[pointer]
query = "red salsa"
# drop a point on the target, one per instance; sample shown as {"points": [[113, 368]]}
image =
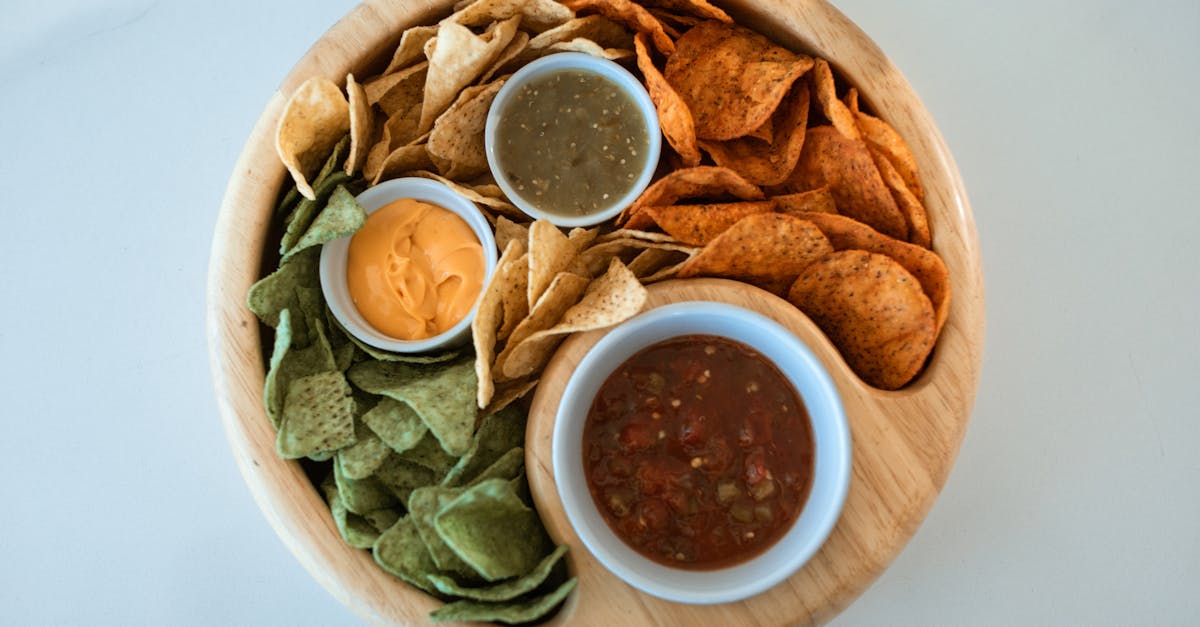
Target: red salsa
{"points": [[698, 452]]}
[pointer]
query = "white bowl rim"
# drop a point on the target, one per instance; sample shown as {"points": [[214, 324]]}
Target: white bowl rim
{"points": [[579, 61], [827, 495], [334, 254]]}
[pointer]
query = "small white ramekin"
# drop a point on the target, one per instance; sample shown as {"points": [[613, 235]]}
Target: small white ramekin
{"points": [[586, 63], [831, 440], [334, 255]]}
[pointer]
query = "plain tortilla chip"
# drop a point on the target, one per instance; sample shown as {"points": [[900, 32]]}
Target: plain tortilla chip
{"points": [[610, 299], [835, 110], [488, 317], [514, 612], [701, 224], [457, 57], [731, 78], [818, 200], [632, 16], [315, 118], [673, 115], [767, 162], [476, 194], [536, 15], [403, 159], [563, 292], [913, 210], [702, 181], [767, 250], [361, 125], [411, 48], [508, 393], [550, 252], [597, 28], [925, 265], [518, 45], [845, 166], [589, 47], [456, 143], [507, 231], [873, 310]]}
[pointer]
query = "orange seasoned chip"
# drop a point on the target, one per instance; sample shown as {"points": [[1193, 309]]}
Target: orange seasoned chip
{"points": [[700, 224], [913, 210], [315, 118], [361, 125], [836, 110], [673, 115], [711, 182], [767, 162], [817, 200], [631, 15], [767, 250], [925, 265], [873, 310], [829, 159], [685, 11], [731, 78], [882, 137]]}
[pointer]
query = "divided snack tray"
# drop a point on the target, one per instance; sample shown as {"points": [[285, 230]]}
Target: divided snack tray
{"points": [[904, 442]]}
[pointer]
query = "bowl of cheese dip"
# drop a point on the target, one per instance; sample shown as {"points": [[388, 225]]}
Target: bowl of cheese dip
{"points": [[410, 280], [572, 139]]}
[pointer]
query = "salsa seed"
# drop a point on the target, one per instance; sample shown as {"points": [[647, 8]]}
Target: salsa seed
{"points": [[676, 402]]}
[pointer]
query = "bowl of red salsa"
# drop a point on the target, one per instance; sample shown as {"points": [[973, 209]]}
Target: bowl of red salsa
{"points": [[701, 452]]}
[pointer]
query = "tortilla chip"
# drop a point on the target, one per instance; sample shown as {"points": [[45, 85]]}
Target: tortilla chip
{"points": [[423, 506], [514, 49], [589, 47], [597, 28], [563, 292], [314, 119], [363, 496], [731, 78], [492, 530], [497, 434], [457, 57], [835, 110], [873, 310], [356, 530], [623, 234], [818, 200], [361, 125], [395, 424], [767, 162], [488, 316], [631, 15], [301, 218], [673, 115], [277, 291], [688, 12], [401, 476], [494, 201], [536, 15], [504, 591], [701, 224], [845, 166], [365, 456], [598, 258], [550, 252], [702, 181], [914, 212], [515, 612], [610, 299], [411, 47], [403, 159], [456, 143], [882, 137], [507, 231], [925, 265], [443, 395], [767, 250], [508, 393], [401, 552], [341, 217]]}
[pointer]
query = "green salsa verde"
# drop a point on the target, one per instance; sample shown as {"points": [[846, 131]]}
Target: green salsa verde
{"points": [[572, 142]]}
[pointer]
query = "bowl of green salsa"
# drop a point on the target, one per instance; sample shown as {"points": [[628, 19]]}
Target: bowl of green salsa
{"points": [[572, 139]]}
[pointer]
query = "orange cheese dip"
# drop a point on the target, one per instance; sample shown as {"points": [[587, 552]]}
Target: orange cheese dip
{"points": [[414, 269]]}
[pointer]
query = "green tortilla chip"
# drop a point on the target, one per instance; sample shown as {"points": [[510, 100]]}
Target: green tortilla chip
{"points": [[382, 519], [510, 613], [497, 434], [341, 217], [363, 496], [443, 395], [318, 415], [365, 456], [382, 355], [277, 291], [506, 590], [508, 467], [429, 453], [298, 221], [423, 506], [400, 551], [343, 356], [401, 477], [274, 387], [356, 530], [396, 424], [492, 530]]}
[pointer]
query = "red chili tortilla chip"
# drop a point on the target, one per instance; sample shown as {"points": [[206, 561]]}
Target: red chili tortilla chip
{"points": [[873, 310], [829, 159], [673, 115], [913, 210], [700, 224], [882, 137], [699, 182], [925, 265], [835, 110], [818, 200], [767, 250], [731, 78], [684, 11], [767, 162], [631, 15]]}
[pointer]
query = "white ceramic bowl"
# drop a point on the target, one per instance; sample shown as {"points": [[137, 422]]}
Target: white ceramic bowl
{"points": [[831, 440], [587, 63], [333, 264]]}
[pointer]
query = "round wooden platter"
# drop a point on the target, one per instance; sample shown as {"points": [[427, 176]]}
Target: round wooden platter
{"points": [[904, 442]]}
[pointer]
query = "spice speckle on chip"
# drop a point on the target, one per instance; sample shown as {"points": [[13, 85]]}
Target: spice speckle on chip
{"points": [[773, 178]]}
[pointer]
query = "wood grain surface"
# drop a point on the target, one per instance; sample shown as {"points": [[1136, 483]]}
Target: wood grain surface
{"points": [[905, 442]]}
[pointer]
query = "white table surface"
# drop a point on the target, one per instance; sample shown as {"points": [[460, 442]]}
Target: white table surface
{"points": [[1076, 496]]}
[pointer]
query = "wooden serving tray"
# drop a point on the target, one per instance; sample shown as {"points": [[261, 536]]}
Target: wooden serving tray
{"points": [[904, 442]]}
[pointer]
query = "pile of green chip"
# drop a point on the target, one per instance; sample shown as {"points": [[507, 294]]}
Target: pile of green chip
{"points": [[416, 474]]}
